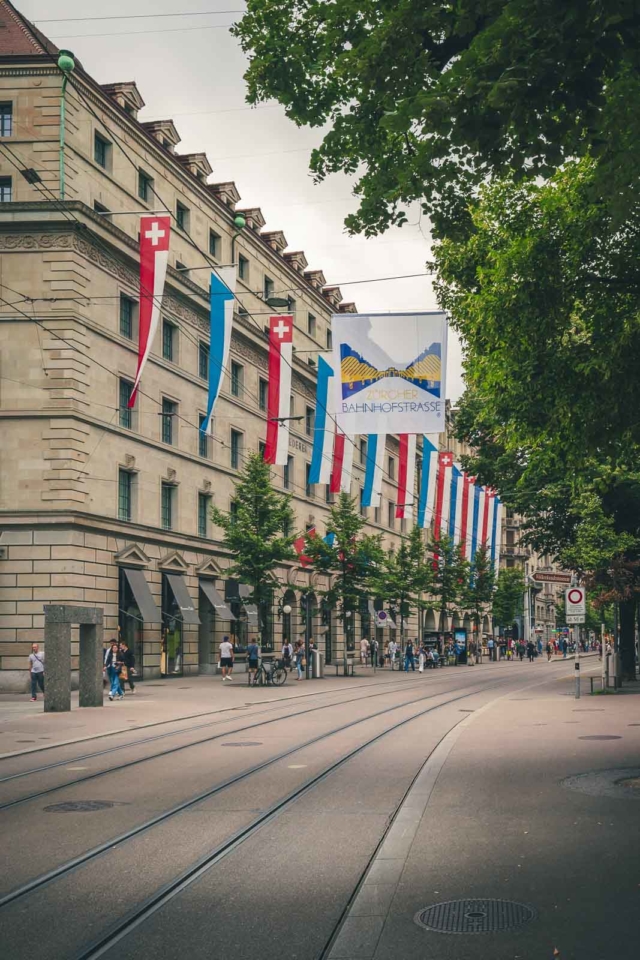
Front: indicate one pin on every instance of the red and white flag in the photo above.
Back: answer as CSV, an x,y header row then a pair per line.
x,y
489,509
443,495
299,545
406,475
466,520
279,397
342,467
154,254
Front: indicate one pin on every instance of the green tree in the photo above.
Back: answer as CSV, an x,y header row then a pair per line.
x,y
423,99
404,575
352,560
449,577
478,593
253,533
508,597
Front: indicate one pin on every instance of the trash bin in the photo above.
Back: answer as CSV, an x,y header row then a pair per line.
x,y
317,664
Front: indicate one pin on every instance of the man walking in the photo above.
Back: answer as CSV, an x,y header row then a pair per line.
x,y
226,659
408,657
36,670
253,657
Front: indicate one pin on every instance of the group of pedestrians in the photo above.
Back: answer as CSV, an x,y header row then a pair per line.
x,y
414,652
291,656
119,668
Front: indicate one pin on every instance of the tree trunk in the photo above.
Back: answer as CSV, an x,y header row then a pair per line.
x,y
627,647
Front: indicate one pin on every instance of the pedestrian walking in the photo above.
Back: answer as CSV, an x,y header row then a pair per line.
x,y
36,670
113,666
565,646
364,650
299,658
408,657
422,656
226,659
549,650
253,656
128,666
490,645
531,651
287,654
393,651
373,650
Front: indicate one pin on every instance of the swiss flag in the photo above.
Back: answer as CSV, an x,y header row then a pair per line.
x,y
300,543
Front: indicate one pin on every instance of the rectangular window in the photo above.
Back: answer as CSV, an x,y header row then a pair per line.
x,y
127,307
167,506
203,360
268,288
263,393
286,527
328,496
168,336
5,190
391,515
287,473
145,186
215,241
237,379
262,448
203,439
182,216
363,509
308,489
363,450
101,150
376,514
233,509
391,468
292,307
6,119
311,325
203,514
309,421
100,208
243,267
236,448
168,414
124,495
329,340
123,406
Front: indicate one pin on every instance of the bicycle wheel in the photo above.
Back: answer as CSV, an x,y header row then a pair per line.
x,y
278,676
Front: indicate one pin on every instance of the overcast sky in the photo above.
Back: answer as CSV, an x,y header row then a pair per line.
x,y
190,69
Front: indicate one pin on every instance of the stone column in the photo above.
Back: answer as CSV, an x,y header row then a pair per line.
x,y
91,660
57,672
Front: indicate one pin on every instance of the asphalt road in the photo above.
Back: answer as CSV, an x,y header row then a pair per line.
x,y
322,819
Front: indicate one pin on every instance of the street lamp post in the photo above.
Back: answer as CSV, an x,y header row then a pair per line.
x,y
67,64
239,221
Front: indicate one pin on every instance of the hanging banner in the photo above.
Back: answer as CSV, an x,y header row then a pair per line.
x,y
154,256
443,495
324,427
376,447
390,372
475,526
466,519
221,297
496,533
406,476
487,516
279,396
342,467
428,480
455,508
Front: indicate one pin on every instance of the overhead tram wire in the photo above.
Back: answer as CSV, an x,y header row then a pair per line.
x,y
142,16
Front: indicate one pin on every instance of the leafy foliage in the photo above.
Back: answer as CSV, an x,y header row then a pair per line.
x,y
449,579
479,589
508,596
404,575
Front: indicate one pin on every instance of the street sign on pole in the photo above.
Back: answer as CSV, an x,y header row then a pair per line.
x,y
575,604
543,576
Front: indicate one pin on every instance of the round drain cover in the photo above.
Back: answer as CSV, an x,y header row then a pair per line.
x,y
600,736
247,743
621,783
80,806
474,916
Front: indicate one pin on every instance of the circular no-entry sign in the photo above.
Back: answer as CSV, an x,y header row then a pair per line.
x,y
575,595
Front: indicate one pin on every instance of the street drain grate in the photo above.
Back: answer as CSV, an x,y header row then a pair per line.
x,y
600,736
475,916
81,806
466,711
247,743
25,741
588,710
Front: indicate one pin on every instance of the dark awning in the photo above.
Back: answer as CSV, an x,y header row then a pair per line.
x,y
216,601
184,601
140,589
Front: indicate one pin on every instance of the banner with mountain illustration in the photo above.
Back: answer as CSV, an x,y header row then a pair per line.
x,y
390,372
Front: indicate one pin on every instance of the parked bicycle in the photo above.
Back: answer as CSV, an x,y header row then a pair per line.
x,y
271,672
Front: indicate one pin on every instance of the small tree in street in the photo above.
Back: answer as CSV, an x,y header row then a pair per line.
x,y
449,575
253,533
480,586
508,596
404,575
351,558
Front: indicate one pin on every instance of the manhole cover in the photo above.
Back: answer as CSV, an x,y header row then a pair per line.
x,y
80,806
633,724
25,741
247,743
621,783
588,710
475,916
154,684
466,711
600,736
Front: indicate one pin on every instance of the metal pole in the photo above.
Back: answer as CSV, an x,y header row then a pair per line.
x,y
307,629
577,664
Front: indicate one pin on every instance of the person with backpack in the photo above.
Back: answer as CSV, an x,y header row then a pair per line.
x,y
253,658
36,671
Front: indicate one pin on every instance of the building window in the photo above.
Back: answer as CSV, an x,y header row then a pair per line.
x,y
292,307
203,439
263,393
168,338
168,413
363,450
100,208
145,186
236,448
243,267
287,473
233,509
308,489
286,527
328,496
363,509
391,515
101,150
237,379
215,241
124,494
203,514
123,407
127,307
262,448
5,190
182,216
376,514
268,288
6,119
391,468
311,325
329,340
203,360
309,420
167,506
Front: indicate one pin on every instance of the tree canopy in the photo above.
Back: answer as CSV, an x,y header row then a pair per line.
x,y
424,99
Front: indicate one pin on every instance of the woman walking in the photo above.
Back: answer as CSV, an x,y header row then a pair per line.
x,y
113,665
128,666
299,657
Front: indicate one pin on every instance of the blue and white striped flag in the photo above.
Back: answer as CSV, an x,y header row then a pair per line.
x,y
221,297
324,428
427,497
376,446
